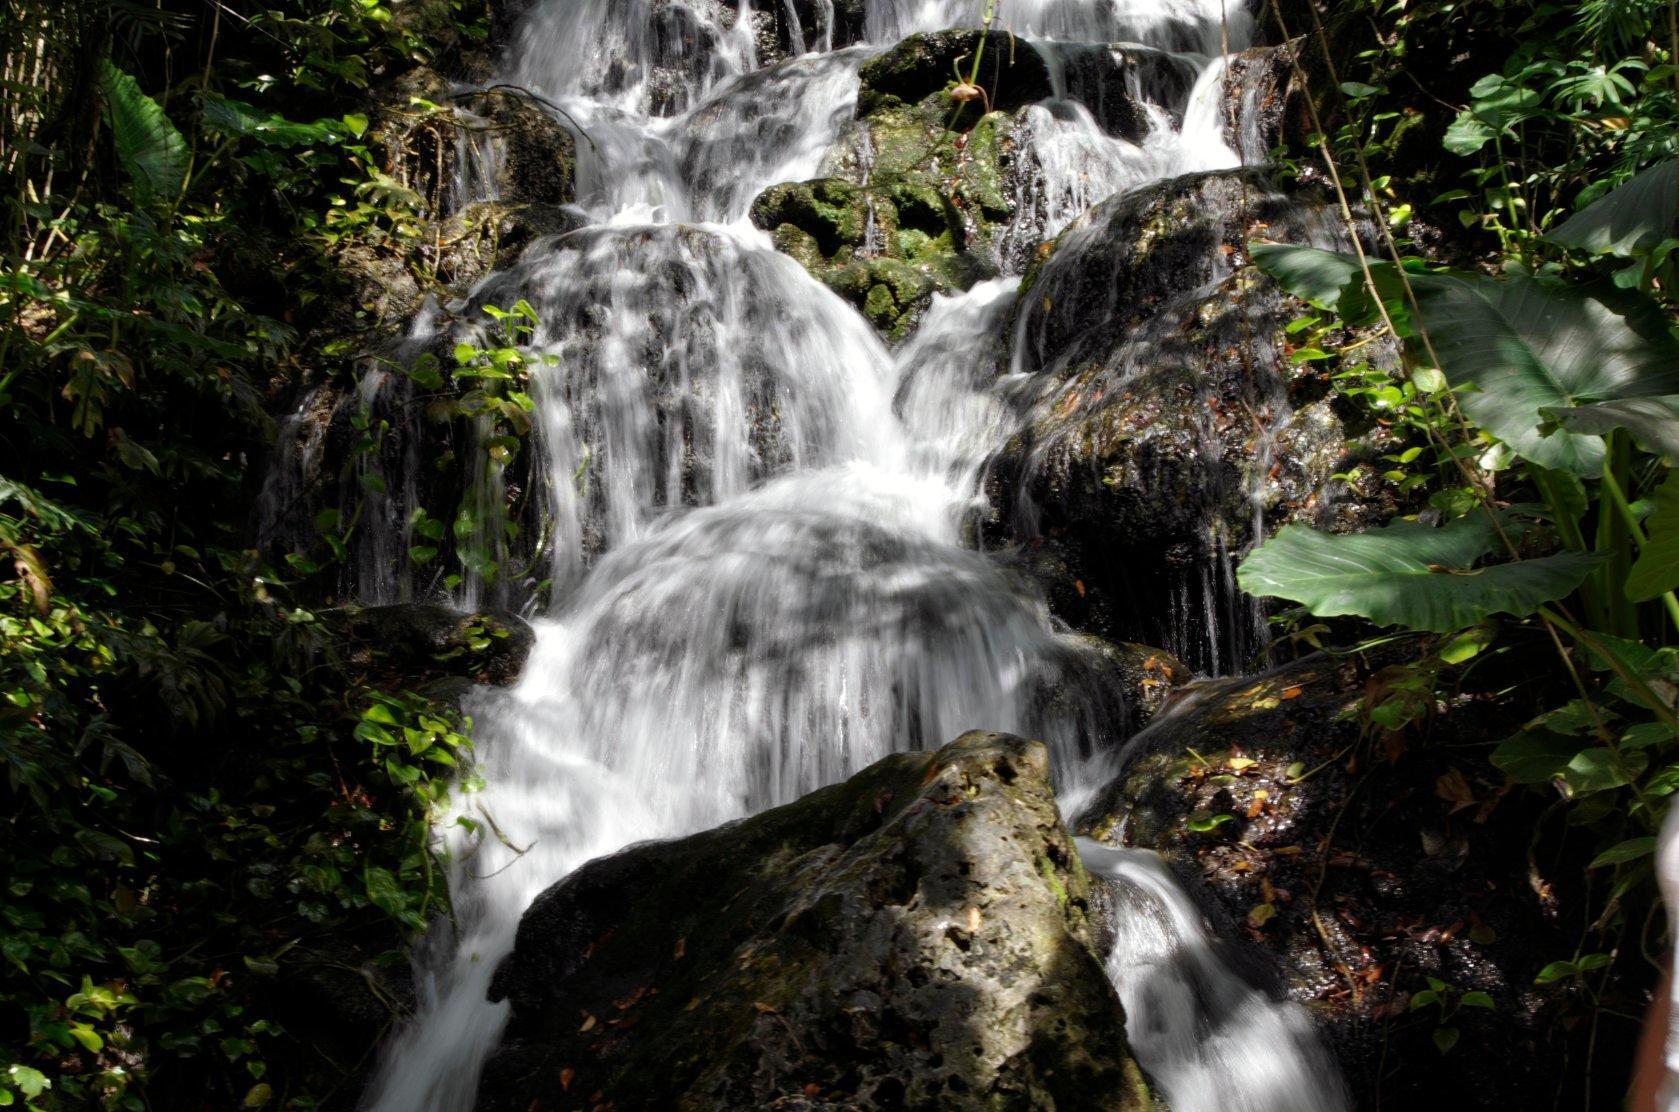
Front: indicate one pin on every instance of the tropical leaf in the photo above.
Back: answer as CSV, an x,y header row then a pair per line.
x,y
1657,570
1628,220
239,120
151,149
1408,574
1519,346
1652,421
1330,280
1316,277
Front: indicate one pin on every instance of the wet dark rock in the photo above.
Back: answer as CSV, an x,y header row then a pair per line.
x,y
491,235
1166,425
1011,72
1266,103
426,642
1365,862
1148,676
917,936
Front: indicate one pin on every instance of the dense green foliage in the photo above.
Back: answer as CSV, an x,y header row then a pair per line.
x,y
1532,418
211,799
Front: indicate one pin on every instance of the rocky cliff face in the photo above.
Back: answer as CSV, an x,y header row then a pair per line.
x,y
917,936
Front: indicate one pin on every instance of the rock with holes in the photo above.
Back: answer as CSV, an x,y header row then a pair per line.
x,y
917,936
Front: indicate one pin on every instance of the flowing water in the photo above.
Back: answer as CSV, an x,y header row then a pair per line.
x,y
761,585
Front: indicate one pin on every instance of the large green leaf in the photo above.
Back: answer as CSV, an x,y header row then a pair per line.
x,y
1316,277
239,120
1628,220
1408,574
151,149
1653,421
1657,569
1518,346
1330,280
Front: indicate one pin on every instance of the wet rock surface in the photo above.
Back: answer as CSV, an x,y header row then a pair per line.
x,y
421,124
1165,423
1265,102
426,642
917,936
1366,862
925,191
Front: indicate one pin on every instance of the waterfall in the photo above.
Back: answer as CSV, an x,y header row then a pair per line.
x,y
1212,1042
758,507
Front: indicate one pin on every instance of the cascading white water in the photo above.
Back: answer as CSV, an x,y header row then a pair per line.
x,y
1211,1041
758,507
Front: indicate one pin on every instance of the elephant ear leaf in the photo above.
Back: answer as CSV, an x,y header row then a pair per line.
x,y
1628,220
1408,574
1653,421
1331,280
1515,347
151,149
1657,569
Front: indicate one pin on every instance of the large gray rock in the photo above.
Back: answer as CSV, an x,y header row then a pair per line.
x,y
918,936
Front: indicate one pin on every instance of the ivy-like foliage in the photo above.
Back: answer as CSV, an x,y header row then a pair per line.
x,y
218,803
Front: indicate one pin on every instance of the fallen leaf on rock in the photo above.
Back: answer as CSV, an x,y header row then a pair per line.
x,y
588,1023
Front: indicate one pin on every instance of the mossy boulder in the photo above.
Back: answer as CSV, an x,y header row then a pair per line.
x,y
923,192
922,213
918,936
1364,862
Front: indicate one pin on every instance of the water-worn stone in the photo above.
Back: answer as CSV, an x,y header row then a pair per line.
x,y
1165,423
1265,100
1366,862
419,134
922,191
917,936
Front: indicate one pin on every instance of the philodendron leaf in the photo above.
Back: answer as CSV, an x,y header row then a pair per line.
x,y
1512,348
1628,220
1330,280
151,149
1408,574
1653,421
1518,346
1657,570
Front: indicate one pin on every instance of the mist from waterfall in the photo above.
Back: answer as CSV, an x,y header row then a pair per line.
x,y
758,508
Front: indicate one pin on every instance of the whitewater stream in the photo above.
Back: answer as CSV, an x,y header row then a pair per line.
x,y
764,587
